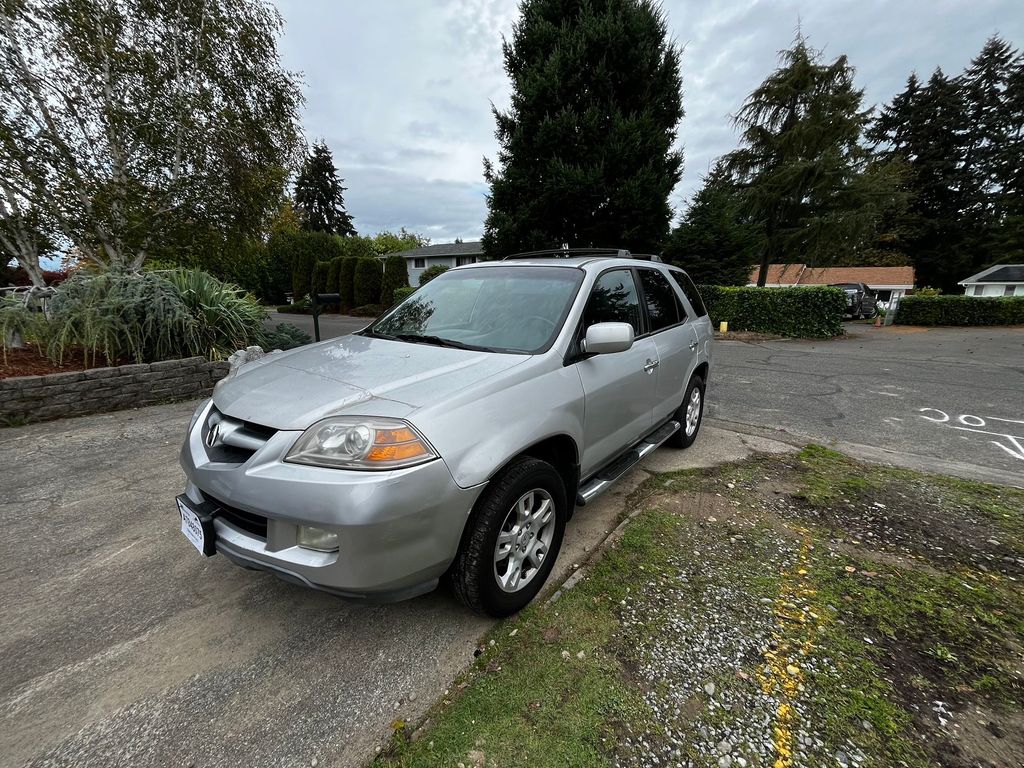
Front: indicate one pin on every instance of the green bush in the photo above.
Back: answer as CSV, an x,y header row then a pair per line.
x,y
368,310
806,312
367,283
226,317
347,282
297,308
308,249
960,310
396,276
430,273
285,336
333,271
151,316
401,294
321,274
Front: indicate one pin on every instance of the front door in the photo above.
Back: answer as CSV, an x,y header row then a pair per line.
x,y
619,388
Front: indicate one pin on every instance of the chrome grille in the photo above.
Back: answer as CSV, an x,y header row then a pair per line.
x,y
232,441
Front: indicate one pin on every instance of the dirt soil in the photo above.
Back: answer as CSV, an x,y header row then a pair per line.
x,y
31,361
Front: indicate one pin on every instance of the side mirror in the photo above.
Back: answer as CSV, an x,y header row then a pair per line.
x,y
604,338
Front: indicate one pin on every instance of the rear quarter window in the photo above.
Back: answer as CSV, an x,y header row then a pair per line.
x,y
689,290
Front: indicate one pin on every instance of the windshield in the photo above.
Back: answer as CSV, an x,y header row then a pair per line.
x,y
503,309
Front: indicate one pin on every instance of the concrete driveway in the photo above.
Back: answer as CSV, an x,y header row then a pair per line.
x,y
941,399
122,646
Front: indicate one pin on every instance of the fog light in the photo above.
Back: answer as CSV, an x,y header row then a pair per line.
x,y
317,538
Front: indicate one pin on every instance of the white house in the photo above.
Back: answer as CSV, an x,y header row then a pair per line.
x,y
1000,280
447,254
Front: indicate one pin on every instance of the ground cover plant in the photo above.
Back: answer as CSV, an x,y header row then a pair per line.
x,y
802,610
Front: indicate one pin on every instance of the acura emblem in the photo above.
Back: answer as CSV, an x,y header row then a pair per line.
x,y
213,435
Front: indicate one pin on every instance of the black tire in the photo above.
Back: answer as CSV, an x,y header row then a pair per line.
x,y
681,439
472,575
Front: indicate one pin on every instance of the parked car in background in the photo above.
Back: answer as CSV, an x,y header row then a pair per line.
x,y
456,434
860,300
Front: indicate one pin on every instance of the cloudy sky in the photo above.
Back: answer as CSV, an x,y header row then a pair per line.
x,y
401,89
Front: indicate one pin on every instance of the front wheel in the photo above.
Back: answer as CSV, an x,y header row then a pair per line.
x,y
689,415
511,540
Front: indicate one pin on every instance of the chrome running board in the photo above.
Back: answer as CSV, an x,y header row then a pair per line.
x,y
625,461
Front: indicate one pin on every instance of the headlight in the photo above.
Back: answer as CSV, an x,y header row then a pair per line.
x,y
354,442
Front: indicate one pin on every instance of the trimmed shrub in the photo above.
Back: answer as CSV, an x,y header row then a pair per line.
x,y
298,308
401,294
367,283
396,275
311,248
814,312
368,310
333,269
321,273
285,336
430,273
960,310
347,282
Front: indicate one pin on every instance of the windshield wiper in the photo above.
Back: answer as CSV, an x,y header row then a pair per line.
x,y
437,341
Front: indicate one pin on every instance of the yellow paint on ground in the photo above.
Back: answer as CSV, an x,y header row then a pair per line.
x,y
791,642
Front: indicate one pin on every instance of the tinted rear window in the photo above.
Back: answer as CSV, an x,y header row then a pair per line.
x,y
663,308
689,291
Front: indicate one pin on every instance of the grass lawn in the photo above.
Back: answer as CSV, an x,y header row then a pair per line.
x,y
785,611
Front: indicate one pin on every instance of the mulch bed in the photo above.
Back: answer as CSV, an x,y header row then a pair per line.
x,y
31,361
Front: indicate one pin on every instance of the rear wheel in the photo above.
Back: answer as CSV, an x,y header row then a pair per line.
x,y
689,415
512,539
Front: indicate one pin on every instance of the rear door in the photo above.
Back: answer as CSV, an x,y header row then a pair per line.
x,y
619,388
673,337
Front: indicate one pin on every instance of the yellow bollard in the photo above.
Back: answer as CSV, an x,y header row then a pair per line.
x,y
723,327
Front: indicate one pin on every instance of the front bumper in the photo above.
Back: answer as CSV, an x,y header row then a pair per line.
x,y
398,531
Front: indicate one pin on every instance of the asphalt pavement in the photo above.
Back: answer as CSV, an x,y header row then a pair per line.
x,y
122,646
330,325
944,399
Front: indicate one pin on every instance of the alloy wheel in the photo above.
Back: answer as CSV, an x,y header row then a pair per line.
x,y
524,540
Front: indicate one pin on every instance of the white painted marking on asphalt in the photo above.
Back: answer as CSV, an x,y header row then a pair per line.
x,y
887,394
1015,449
943,420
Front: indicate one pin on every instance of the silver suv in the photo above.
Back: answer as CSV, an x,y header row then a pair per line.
x,y
456,434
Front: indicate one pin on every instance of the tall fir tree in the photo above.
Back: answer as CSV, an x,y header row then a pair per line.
x,y
802,164
961,141
714,242
319,196
586,148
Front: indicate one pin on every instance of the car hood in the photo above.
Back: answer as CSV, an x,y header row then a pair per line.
x,y
354,374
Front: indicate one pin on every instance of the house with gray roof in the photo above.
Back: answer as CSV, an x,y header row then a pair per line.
x,y
447,254
1000,280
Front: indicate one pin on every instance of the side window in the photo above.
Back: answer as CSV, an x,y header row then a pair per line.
x,y
689,291
419,263
614,300
663,308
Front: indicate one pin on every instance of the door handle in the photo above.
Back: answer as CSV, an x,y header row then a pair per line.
x,y
651,365
693,346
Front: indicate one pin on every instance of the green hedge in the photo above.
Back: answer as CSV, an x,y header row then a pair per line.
x,y
401,294
960,310
367,282
396,276
813,312
347,281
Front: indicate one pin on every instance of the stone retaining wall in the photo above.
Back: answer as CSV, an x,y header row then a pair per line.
x,y
57,395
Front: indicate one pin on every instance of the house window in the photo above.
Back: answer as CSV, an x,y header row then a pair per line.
x,y
1008,290
419,263
460,260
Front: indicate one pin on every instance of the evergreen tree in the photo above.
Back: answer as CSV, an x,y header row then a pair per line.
x,y
714,243
319,195
586,148
396,275
802,164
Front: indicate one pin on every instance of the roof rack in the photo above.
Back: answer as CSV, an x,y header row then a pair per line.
x,y
566,253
